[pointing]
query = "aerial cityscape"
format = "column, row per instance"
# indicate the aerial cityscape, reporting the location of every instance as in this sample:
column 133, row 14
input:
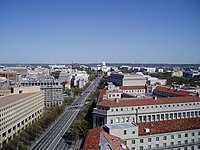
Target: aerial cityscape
column 100, row 75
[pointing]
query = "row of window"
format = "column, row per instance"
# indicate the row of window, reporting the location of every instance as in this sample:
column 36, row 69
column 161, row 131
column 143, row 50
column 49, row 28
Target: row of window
column 193, row 147
column 155, row 106
column 169, row 116
column 179, row 136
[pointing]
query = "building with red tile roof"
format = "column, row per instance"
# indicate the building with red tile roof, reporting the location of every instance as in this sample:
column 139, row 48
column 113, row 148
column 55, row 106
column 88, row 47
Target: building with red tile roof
column 97, row 139
column 170, row 91
column 169, row 134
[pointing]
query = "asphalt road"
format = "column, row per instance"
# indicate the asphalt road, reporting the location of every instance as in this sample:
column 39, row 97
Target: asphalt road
column 57, row 137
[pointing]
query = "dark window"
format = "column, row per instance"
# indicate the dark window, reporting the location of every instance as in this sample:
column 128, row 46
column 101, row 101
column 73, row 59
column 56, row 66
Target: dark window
column 133, row 141
column 124, row 132
column 141, row 140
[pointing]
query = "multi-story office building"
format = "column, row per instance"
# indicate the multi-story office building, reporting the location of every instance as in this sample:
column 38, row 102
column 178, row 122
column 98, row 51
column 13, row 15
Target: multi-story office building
column 117, row 91
column 32, row 80
column 121, row 79
column 179, row 134
column 53, row 95
column 53, row 91
column 17, row 111
column 151, row 122
column 144, row 109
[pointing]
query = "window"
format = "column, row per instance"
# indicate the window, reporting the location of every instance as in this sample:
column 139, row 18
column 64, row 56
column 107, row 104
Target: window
column 116, row 109
column 117, row 120
column 141, row 147
column 133, row 148
column 179, row 142
column 141, row 140
column 186, row 135
column 133, row 141
column 186, row 141
column 127, row 119
column 157, row 138
column 172, row 143
column 133, row 132
column 121, row 109
column 164, row 144
column 192, row 140
column 149, row 146
column 125, row 142
column 164, row 137
column 192, row 147
column 193, row 134
column 149, row 139
column 111, row 121
column 172, row 136
column 179, row 136
column 157, row 145
column 124, row 132
column 185, row 148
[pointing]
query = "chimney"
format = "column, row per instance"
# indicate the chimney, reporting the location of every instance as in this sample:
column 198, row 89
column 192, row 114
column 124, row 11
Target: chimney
column 116, row 100
column 155, row 98
column 147, row 130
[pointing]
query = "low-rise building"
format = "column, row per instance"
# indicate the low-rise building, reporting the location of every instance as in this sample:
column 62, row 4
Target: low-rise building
column 171, row 91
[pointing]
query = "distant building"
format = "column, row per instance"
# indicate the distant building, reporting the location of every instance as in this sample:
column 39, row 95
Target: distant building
column 104, row 68
column 177, row 73
column 121, row 79
column 160, row 70
column 17, row 111
column 80, row 79
column 155, row 81
column 171, row 91
column 53, row 91
column 9, row 75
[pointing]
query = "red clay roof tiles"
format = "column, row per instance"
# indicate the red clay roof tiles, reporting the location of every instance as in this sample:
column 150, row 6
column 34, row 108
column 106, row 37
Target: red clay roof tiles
column 159, row 127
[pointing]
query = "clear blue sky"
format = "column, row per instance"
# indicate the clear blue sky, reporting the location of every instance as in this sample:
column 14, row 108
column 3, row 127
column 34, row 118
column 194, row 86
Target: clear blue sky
column 88, row 31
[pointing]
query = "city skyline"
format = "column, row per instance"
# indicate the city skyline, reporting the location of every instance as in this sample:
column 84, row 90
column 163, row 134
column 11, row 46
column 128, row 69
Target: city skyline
column 90, row 31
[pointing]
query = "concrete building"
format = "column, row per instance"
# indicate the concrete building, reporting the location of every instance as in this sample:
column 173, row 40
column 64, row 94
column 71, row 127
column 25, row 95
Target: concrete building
column 17, row 111
column 53, row 95
column 53, row 91
column 180, row 134
column 121, row 79
column 177, row 73
column 32, row 80
column 80, row 79
column 155, row 81
column 9, row 75
column 151, row 122
column 144, row 109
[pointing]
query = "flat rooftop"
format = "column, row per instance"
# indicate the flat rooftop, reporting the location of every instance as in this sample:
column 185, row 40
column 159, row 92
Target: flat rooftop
column 5, row 100
column 120, row 125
